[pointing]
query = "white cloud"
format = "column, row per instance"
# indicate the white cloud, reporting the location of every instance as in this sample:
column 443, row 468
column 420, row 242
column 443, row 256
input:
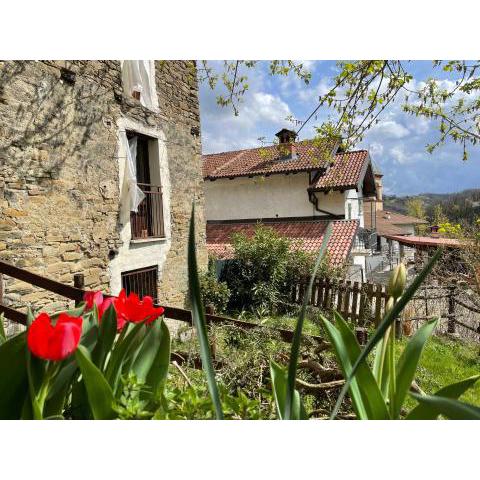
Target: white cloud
column 390, row 129
column 266, row 107
column 376, row 149
column 398, row 154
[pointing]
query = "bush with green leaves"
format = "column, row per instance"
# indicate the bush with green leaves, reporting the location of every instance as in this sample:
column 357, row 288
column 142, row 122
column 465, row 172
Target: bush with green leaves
column 215, row 294
column 264, row 270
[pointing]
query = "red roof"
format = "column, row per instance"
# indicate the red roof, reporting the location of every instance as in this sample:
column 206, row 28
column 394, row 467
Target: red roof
column 347, row 171
column 386, row 222
column 308, row 233
column 426, row 241
column 310, row 155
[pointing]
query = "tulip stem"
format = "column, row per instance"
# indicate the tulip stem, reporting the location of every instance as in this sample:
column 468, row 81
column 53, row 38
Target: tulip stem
column 393, row 380
column 52, row 369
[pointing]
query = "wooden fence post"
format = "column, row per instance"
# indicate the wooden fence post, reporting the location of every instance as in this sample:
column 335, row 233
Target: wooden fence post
column 78, row 282
column 451, row 325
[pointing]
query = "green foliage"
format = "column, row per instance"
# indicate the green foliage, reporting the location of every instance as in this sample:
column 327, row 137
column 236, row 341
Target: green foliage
column 264, row 268
column 194, row 403
column 215, row 294
column 379, row 392
column 198, row 315
column 416, row 208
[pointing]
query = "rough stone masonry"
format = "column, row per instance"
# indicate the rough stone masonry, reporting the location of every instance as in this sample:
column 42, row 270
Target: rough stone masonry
column 59, row 180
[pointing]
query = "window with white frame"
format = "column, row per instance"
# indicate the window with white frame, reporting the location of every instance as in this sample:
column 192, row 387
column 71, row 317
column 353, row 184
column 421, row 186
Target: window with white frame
column 138, row 80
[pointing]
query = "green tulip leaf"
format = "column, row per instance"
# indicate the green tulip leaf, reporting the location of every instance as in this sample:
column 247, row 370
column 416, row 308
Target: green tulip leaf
column 387, row 321
column 279, row 386
column 99, row 393
column 408, row 362
column 106, row 336
column 448, row 407
column 423, row 411
column 198, row 315
column 123, row 349
column 13, row 377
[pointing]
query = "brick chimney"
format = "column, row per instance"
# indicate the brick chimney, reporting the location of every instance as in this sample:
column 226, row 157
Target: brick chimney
column 286, row 145
column 379, row 188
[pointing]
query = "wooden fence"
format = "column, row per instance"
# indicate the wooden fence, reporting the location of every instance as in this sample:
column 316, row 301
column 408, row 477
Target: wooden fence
column 76, row 293
column 364, row 303
column 360, row 303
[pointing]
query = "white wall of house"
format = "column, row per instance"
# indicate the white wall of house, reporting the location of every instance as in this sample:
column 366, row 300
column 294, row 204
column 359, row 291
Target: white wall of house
column 135, row 254
column 353, row 207
column 266, row 197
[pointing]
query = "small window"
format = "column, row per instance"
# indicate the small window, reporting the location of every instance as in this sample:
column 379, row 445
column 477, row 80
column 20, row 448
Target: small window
column 349, row 211
column 138, row 80
column 143, row 281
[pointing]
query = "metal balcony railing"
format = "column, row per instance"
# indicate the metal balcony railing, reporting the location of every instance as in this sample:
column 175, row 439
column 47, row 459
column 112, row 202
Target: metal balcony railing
column 148, row 221
column 365, row 240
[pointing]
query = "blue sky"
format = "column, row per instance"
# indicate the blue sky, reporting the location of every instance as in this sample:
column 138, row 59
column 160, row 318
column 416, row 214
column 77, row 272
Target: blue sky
column 397, row 143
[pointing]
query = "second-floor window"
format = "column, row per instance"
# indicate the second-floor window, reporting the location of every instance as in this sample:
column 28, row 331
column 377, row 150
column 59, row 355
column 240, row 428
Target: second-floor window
column 138, row 80
column 143, row 200
column 147, row 222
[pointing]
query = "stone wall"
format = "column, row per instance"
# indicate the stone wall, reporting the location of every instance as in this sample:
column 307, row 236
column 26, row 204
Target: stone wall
column 59, row 186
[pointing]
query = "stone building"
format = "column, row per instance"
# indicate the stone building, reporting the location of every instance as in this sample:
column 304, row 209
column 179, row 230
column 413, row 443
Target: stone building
column 68, row 131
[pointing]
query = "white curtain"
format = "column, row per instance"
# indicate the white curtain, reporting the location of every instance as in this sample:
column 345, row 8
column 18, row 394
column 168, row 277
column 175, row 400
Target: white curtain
column 131, row 195
column 137, row 76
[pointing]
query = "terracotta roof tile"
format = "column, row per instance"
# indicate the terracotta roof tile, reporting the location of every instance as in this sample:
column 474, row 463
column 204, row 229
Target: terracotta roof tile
column 387, row 222
column 346, row 172
column 426, row 241
column 310, row 155
column 308, row 233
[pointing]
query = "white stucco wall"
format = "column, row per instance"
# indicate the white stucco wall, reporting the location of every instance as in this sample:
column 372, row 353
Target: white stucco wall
column 353, row 198
column 143, row 253
column 266, row 197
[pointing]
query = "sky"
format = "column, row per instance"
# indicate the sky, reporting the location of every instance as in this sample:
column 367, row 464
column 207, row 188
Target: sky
column 396, row 144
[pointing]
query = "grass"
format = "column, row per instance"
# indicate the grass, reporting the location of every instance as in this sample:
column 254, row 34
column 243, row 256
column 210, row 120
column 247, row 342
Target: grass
column 446, row 361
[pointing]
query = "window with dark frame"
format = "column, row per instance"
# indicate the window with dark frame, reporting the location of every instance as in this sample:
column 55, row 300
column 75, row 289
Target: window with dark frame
column 148, row 221
column 142, row 281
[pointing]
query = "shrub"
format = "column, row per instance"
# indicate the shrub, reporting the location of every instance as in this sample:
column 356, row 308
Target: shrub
column 265, row 268
column 215, row 294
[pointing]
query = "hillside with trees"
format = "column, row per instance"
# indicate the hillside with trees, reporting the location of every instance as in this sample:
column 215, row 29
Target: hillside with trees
column 461, row 207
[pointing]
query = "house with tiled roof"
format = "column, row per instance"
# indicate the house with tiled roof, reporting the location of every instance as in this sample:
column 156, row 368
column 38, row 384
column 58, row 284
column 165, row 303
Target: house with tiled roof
column 387, row 224
column 295, row 187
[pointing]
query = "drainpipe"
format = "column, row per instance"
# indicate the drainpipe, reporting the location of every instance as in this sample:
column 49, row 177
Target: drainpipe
column 312, row 198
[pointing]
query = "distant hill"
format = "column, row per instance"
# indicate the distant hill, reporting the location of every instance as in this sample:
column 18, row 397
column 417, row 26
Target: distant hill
column 460, row 207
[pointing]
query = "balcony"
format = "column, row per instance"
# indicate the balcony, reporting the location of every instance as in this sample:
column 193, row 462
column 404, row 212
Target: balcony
column 364, row 242
column 148, row 221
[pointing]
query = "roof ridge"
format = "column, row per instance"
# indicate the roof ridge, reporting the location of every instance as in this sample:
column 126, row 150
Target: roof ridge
column 306, row 140
column 229, row 162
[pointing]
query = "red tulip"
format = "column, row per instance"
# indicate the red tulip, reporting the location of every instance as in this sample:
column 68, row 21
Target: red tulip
column 97, row 298
column 54, row 342
column 132, row 309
